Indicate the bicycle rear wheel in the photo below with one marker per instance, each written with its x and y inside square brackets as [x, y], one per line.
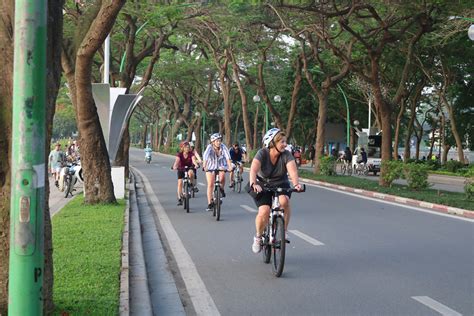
[266, 247]
[186, 196]
[239, 183]
[217, 204]
[279, 246]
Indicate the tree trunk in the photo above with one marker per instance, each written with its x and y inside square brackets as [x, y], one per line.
[225, 86]
[414, 103]
[397, 129]
[454, 129]
[320, 134]
[294, 96]
[98, 185]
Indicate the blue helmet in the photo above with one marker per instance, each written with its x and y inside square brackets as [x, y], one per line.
[215, 136]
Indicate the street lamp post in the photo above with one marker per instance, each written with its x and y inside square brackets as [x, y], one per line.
[277, 99]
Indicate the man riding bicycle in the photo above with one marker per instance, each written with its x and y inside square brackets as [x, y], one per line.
[237, 155]
[271, 166]
[184, 158]
[216, 157]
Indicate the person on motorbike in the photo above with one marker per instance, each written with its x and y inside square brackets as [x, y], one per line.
[184, 158]
[271, 166]
[237, 156]
[216, 157]
[297, 155]
[148, 152]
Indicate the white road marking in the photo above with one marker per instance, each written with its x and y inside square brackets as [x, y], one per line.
[307, 238]
[435, 305]
[248, 208]
[200, 297]
[200, 183]
[391, 203]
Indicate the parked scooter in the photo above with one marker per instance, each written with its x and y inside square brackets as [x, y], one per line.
[69, 176]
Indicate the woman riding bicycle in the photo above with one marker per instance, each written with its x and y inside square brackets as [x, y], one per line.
[270, 166]
[216, 157]
[184, 158]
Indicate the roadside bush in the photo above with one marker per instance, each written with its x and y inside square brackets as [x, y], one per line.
[453, 165]
[433, 164]
[327, 165]
[416, 176]
[393, 170]
[469, 183]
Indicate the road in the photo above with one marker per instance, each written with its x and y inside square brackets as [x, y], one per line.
[348, 255]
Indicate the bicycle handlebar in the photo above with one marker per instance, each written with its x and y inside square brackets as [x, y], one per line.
[287, 190]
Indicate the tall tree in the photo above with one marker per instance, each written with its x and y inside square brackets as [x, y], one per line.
[77, 61]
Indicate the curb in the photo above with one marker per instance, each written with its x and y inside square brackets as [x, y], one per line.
[124, 304]
[397, 199]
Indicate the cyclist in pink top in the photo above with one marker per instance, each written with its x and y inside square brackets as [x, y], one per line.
[185, 158]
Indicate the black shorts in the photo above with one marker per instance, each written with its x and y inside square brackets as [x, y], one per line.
[265, 198]
[181, 173]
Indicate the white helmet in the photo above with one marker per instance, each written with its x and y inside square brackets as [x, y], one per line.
[269, 135]
[215, 136]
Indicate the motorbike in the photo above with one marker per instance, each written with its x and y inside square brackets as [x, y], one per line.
[148, 158]
[69, 176]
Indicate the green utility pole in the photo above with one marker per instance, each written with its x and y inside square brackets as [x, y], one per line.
[266, 117]
[348, 117]
[203, 134]
[28, 159]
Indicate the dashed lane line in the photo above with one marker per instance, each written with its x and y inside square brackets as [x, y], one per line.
[248, 208]
[435, 305]
[305, 237]
[295, 232]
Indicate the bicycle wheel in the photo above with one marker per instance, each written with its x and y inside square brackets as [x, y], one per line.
[266, 247]
[186, 196]
[366, 171]
[349, 170]
[239, 183]
[67, 185]
[279, 245]
[218, 205]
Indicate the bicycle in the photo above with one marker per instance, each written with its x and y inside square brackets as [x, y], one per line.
[216, 195]
[237, 179]
[188, 189]
[361, 169]
[273, 237]
[346, 168]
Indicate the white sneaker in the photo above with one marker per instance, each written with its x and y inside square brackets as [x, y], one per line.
[257, 244]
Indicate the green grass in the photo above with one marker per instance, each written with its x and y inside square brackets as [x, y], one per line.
[454, 199]
[87, 257]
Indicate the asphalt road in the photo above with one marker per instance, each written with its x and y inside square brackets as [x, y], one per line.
[348, 255]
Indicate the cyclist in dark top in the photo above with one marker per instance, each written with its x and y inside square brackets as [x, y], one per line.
[363, 156]
[348, 155]
[237, 154]
[184, 158]
[271, 166]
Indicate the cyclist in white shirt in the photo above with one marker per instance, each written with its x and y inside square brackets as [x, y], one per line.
[216, 157]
